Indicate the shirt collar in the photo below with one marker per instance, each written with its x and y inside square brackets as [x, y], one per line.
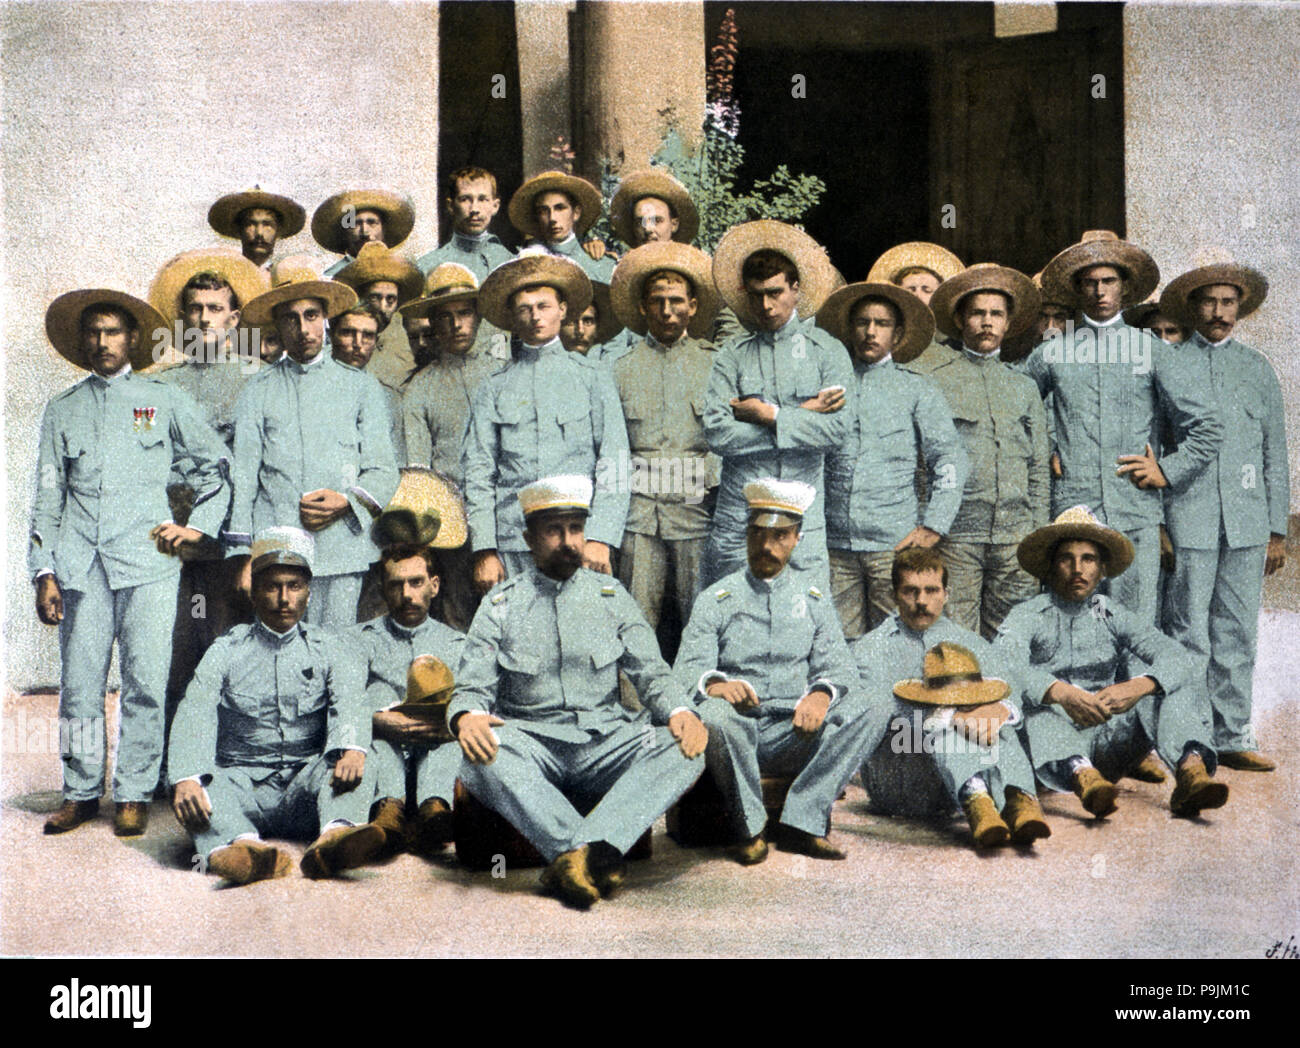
[1072, 607]
[995, 355]
[405, 631]
[1201, 340]
[473, 239]
[561, 246]
[278, 638]
[767, 585]
[303, 368]
[1116, 321]
[114, 378]
[546, 347]
[888, 358]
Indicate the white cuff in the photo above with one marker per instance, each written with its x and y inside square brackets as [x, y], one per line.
[1015, 717]
[823, 683]
[709, 677]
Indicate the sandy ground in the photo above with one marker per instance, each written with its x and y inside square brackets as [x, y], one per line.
[1140, 884]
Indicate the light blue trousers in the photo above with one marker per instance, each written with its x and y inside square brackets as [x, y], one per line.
[436, 769]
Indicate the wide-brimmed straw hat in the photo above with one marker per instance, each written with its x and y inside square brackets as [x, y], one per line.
[817, 277]
[247, 280]
[527, 270]
[636, 267]
[63, 324]
[374, 262]
[1100, 247]
[952, 677]
[916, 253]
[1215, 266]
[1077, 522]
[583, 193]
[427, 509]
[398, 213]
[223, 216]
[836, 315]
[653, 182]
[448, 282]
[986, 276]
[430, 685]
[294, 277]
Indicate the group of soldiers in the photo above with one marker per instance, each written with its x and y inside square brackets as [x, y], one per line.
[366, 533]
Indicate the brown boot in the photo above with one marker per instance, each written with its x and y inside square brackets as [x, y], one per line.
[1024, 818]
[244, 862]
[802, 843]
[607, 867]
[130, 818]
[569, 878]
[1247, 760]
[342, 848]
[749, 852]
[986, 825]
[70, 815]
[389, 814]
[1195, 790]
[1095, 791]
[1149, 769]
[432, 828]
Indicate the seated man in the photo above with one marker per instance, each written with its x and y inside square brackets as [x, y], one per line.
[388, 645]
[271, 736]
[974, 760]
[764, 654]
[545, 651]
[1087, 654]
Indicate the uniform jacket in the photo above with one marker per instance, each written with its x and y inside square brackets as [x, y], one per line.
[572, 249]
[387, 648]
[479, 256]
[435, 407]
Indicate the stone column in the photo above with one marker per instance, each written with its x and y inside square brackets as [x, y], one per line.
[544, 81]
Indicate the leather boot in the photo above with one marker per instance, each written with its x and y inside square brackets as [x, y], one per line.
[569, 878]
[1195, 790]
[1095, 791]
[389, 814]
[1024, 818]
[70, 815]
[130, 818]
[244, 862]
[986, 825]
[432, 828]
[1149, 769]
[1247, 760]
[342, 848]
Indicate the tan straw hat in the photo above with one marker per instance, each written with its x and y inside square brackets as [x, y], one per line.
[1214, 266]
[952, 678]
[448, 282]
[1077, 522]
[376, 262]
[528, 270]
[247, 280]
[429, 689]
[427, 509]
[292, 278]
[63, 325]
[817, 277]
[583, 193]
[223, 216]
[916, 253]
[836, 315]
[986, 276]
[1100, 247]
[628, 283]
[398, 213]
[653, 182]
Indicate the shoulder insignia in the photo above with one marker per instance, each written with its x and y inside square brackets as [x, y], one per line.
[813, 591]
[497, 598]
[607, 591]
[723, 594]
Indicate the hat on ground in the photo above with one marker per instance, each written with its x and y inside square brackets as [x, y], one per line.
[1214, 266]
[531, 270]
[563, 494]
[986, 276]
[778, 503]
[376, 262]
[449, 282]
[836, 316]
[952, 677]
[582, 192]
[283, 545]
[630, 275]
[653, 182]
[1100, 247]
[292, 278]
[890, 266]
[247, 280]
[427, 509]
[817, 277]
[63, 325]
[398, 213]
[1077, 522]
[223, 216]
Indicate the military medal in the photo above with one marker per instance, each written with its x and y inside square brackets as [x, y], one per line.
[138, 414]
[143, 418]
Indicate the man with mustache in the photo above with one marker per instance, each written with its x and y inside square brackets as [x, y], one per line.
[354, 336]
[537, 709]
[471, 203]
[258, 220]
[347, 220]
[1089, 726]
[385, 281]
[556, 209]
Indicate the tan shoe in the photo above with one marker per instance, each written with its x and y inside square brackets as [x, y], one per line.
[1149, 769]
[432, 829]
[1247, 760]
[1095, 791]
[749, 852]
[342, 848]
[803, 843]
[244, 862]
[130, 818]
[70, 815]
[1024, 818]
[1195, 790]
[569, 878]
[607, 868]
[389, 814]
[986, 825]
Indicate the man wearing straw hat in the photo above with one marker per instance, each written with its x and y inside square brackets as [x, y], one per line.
[313, 443]
[999, 418]
[894, 417]
[272, 734]
[386, 281]
[556, 209]
[1109, 685]
[537, 705]
[547, 411]
[258, 220]
[1117, 393]
[358, 216]
[765, 659]
[919, 267]
[102, 559]
[471, 203]
[774, 402]
[663, 292]
[1228, 524]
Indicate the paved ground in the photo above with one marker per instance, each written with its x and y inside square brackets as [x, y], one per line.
[1142, 884]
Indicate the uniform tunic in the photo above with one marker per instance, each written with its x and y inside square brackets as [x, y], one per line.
[480, 254]
[572, 249]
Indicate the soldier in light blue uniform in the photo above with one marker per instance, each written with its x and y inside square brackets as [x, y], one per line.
[358, 216]
[354, 334]
[537, 708]
[548, 413]
[774, 405]
[556, 209]
[258, 220]
[765, 658]
[894, 416]
[271, 736]
[312, 442]
[1228, 524]
[1110, 685]
[597, 333]
[385, 281]
[471, 203]
[102, 548]
[919, 267]
[1117, 394]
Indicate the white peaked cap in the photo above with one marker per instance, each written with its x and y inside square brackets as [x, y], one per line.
[779, 503]
[283, 545]
[557, 493]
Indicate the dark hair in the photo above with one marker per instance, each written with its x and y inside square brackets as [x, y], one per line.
[559, 294]
[903, 274]
[361, 309]
[1103, 553]
[766, 263]
[879, 300]
[959, 310]
[209, 281]
[917, 559]
[670, 274]
[279, 218]
[112, 309]
[469, 174]
[405, 551]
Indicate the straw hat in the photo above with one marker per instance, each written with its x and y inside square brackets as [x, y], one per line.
[248, 280]
[63, 325]
[1216, 267]
[986, 276]
[376, 262]
[449, 282]
[292, 278]
[938, 260]
[653, 182]
[429, 689]
[583, 193]
[918, 322]
[398, 213]
[628, 283]
[1077, 522]
[1100, 247]
[223, 216]
[952, 678]
[426, 510]
[817, 277]
[525, 270]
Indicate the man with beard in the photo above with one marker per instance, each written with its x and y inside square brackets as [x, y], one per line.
[258, 220]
